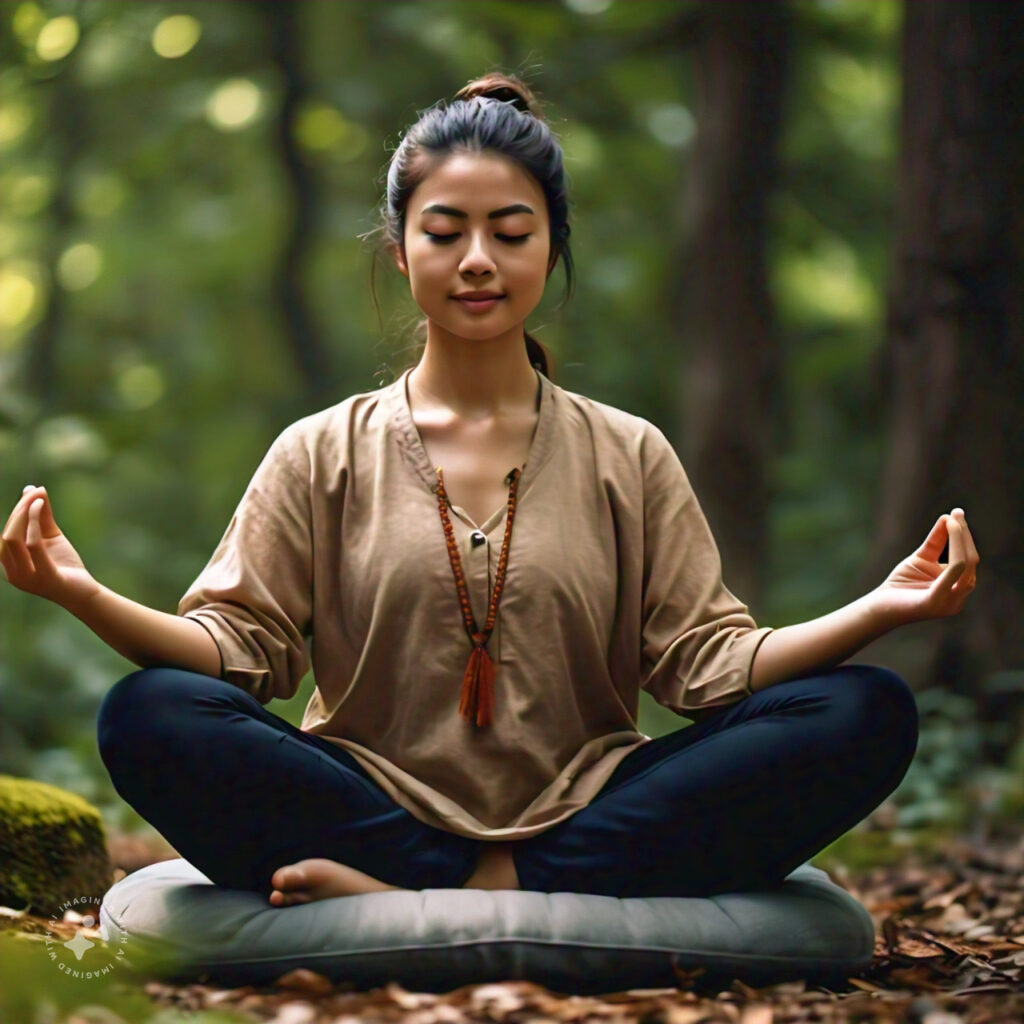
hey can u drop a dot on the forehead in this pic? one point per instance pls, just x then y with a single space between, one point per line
472 181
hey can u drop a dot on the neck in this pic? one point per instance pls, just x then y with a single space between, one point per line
476 379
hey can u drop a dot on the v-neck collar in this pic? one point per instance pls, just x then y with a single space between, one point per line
409 440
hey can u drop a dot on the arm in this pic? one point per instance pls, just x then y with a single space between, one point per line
146 636
39 559
920 587
698 640
255 595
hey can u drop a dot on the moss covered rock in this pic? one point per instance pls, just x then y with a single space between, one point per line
54 849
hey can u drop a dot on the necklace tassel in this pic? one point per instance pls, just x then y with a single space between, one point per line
477 701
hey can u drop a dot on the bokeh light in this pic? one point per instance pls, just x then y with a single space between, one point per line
588 6
672 124
234 104
28 194
320 126
19 293
15 120
139 385
68 441
27 22
79 266
177 35
57 38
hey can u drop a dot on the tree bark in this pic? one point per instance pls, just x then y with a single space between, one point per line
954 363
721 307
311 354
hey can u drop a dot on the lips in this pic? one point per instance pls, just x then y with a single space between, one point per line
478 302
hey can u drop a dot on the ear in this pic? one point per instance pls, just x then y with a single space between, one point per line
552 261
398 252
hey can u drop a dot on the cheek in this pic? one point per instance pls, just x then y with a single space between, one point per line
529 261
424 264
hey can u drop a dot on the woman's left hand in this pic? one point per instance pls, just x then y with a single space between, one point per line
922 587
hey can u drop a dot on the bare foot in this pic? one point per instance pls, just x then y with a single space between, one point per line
319 879
495 870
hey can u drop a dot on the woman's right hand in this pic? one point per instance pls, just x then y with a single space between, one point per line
38 558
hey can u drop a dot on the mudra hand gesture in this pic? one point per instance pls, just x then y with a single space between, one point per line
38 558
922 587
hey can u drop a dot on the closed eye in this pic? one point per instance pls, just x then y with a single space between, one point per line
447 238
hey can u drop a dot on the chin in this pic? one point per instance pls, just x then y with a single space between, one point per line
481 334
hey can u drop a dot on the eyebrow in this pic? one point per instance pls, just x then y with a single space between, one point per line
505 211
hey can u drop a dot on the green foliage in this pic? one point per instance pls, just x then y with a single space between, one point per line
36 991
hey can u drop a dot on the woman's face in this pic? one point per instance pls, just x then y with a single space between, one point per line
477 222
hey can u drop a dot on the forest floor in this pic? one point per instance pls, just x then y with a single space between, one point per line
949 948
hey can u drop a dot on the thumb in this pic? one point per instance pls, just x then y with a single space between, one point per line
948 577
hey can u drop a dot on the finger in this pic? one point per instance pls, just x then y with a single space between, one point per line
973 558
34 542
14 531
16 561
34 539
957 546
28 494
935 541
47 522
33 531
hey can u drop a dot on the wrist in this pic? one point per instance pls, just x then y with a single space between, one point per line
883 612
79 598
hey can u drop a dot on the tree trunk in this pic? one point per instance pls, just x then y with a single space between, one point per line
954 365
721 308
311 354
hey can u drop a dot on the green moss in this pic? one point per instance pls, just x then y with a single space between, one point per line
54 847
863 850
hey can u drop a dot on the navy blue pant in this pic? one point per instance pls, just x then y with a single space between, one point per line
734 802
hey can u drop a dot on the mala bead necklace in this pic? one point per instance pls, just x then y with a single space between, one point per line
477 701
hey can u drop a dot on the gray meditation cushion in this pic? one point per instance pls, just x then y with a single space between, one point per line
182 927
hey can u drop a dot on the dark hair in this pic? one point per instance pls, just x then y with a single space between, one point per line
496 113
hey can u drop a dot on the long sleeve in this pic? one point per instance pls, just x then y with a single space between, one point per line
698 640
254 596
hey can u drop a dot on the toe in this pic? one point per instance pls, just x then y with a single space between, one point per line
288 877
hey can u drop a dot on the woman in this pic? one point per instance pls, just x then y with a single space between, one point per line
490 567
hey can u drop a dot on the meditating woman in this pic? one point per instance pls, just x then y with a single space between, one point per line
490 568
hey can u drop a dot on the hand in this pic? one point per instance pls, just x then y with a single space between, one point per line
38 558
921 587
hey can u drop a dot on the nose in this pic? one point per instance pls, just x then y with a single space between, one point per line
478 259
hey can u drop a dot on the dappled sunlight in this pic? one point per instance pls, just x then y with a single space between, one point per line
234 105
57 38
79 266
20 295
176 35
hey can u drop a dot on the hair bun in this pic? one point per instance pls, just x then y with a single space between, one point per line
506 88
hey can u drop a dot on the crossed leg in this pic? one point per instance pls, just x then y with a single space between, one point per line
733 802
257 804
740 799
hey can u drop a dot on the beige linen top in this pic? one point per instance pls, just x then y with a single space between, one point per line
613 583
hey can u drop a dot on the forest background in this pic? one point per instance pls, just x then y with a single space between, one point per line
797 227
